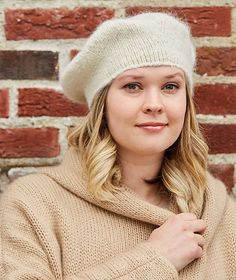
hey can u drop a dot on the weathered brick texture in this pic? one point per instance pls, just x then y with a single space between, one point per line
216 61
53 23
47 102
4 103
73 53
204 21
28 65
217 99
224 172
221 138
29 142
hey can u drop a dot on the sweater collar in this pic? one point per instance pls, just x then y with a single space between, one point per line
69 175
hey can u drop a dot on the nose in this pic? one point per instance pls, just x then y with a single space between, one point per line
153 102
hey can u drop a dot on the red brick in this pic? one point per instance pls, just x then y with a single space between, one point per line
204 21
225 173
29 142
216 61
4 103
47 102
30 65
221 138
217 99
53 23
73 53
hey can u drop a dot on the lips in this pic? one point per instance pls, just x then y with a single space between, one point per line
152 127
151 124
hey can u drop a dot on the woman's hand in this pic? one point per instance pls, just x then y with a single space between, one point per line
180 239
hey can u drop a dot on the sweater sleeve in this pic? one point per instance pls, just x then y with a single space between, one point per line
23 256
29 252
140 263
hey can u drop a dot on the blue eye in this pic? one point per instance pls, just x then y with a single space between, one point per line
171 87
132 86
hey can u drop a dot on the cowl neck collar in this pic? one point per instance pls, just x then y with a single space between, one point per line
69 175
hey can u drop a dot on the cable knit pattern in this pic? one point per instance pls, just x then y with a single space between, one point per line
52 228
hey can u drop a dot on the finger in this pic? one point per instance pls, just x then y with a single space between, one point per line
199 239
187 216
197 226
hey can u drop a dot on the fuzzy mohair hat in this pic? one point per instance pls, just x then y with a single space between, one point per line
148 39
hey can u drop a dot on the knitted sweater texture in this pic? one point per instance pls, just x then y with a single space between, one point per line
52 228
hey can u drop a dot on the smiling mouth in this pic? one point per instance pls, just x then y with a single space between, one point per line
152 127
151 124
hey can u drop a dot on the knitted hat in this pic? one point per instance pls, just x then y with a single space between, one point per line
148 39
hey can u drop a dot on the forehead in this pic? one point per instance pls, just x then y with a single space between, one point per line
149 70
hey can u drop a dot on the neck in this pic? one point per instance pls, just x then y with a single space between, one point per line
138 168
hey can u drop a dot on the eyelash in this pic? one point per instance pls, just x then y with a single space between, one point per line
171 84
127 85
168 84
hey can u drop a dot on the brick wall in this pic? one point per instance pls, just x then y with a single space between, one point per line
37 40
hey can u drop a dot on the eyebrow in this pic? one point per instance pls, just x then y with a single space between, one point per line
130 76
174 75
141 76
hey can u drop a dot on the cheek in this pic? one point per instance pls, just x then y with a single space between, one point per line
112 110
181 114
119 110
113 115
181 119
179 110
116 126
176 116
117 119
120 120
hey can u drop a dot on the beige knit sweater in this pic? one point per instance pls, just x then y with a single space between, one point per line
51 228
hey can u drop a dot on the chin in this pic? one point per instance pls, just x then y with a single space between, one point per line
151 151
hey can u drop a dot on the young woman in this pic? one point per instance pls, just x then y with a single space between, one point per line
132 198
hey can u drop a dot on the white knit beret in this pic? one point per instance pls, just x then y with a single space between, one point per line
148 39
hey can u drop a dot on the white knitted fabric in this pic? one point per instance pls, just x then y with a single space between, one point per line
148 39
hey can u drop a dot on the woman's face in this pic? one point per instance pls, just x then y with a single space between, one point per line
145 109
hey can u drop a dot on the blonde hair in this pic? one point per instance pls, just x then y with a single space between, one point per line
183 171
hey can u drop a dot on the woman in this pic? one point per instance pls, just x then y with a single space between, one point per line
132 198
